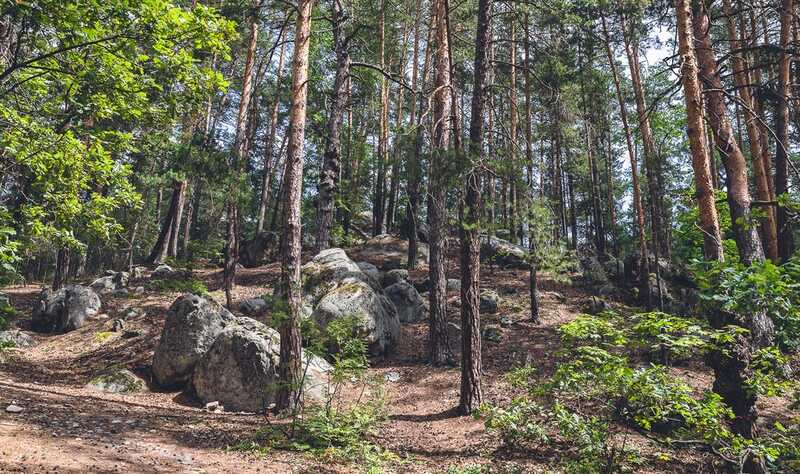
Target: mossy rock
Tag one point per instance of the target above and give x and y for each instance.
(119, 381)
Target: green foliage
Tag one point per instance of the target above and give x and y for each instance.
(656, 400)
(688, 236)
(761, 287)
(337, 429)
(7, 312)
(191, 285)
(593, 330)
(671, 337)
(518, 424)
(91, 82)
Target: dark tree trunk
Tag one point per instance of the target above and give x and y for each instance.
(471, 394)
(329, 177)
(160, 250)
(440, 352)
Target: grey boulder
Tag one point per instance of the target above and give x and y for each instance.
(16, 338)
(489, 301)
(239, 371)
(254, 307)
(65, 310)
(409, 304)
(503, 253)
(335, 288)
(119, 381)
(192, 324)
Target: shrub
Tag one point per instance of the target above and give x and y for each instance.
(601, 330)
(671, 337)
(760, 287)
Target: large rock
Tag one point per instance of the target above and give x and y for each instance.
(191, 326)
(504, 253)
(335, 287)
(394, 276)
(111, 282)
(371, 270)
(262, 249)
(240, 369)
(387, 252)
(489, 301)
(593, 271)
(162, 271)
(66, 309)
(16, 338)
(409, 304)
(118, 381)
(254, 307)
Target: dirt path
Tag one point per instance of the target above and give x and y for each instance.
(66, 427)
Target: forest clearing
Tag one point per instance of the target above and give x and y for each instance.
(383, 236)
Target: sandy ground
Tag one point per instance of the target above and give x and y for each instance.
(66, 427)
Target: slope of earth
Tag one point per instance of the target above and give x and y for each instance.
(66, 427)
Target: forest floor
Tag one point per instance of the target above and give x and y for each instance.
(66, 427)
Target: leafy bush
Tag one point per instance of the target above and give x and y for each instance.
(656, 400)
(671, 337)
(599, 330)
(518, 424)
(7, 312)
(334, 429)
(760, 287)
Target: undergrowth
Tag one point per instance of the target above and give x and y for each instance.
(599, 387)
(336, 429)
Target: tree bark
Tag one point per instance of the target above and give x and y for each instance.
(732, 367)
(471, 394)
(415, 168)
(644, 263)
(239, 163)
(440, 352)
(651, 161)
(329, 177)
(709, 220)
(379, 199)
(270, 160)
(742, 81)
(785, 231)
(289, 368)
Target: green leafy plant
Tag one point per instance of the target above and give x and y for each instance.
(601, 330)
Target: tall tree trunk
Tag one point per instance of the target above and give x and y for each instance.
(709, 220)
(742, 82)
(270, 159)
(394, 187)
(612, 207)
(239, 163)
(379, 199)
(511, 175)
(644, 263)
(172, 248)
(415, 167)
(471, 394)
(532, 225)
(329, 177)
(62, 267)
(160, 250)
(187, 226)
(440, 352)
(732, 367)
(651, 161)
(785, 232)
(289, 368)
